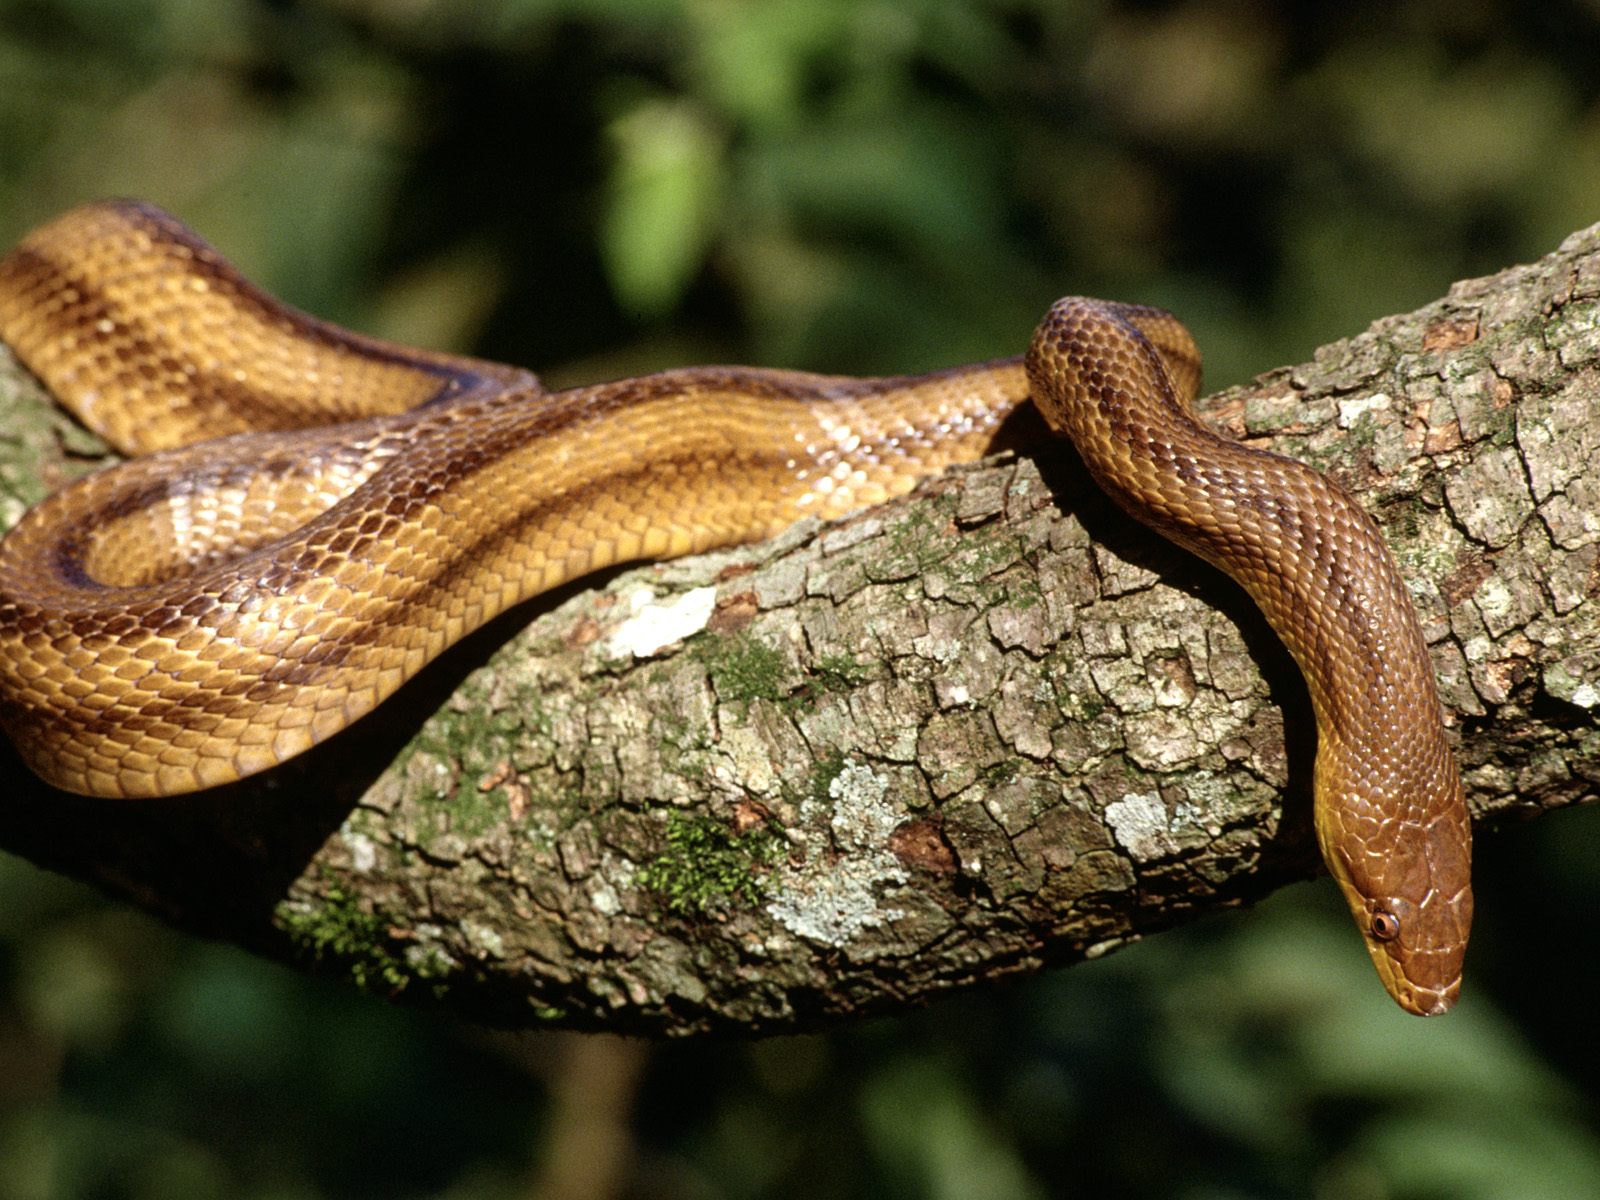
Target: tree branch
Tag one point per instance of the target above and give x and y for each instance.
(955, 737)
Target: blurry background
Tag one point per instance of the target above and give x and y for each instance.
(597, 187)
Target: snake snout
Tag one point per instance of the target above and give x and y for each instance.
(1435, 1004)
(1422, 1000)
(1419, 949)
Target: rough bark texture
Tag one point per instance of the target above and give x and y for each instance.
(991, 726)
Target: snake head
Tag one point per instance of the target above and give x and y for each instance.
(1405, 871)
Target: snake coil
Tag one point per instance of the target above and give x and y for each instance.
(212, 609)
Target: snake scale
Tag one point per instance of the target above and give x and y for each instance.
(214, 607)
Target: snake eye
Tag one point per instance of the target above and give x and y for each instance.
(1385, 926)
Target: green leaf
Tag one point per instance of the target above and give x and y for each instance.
(660, 204)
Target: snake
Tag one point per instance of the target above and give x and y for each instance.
(309, 515)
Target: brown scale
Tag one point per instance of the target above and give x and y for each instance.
(193, 617)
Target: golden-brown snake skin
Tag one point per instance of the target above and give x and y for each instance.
(207, 612)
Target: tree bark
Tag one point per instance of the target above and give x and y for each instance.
(987, 727)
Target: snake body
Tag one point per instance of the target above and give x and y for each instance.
(216, 607)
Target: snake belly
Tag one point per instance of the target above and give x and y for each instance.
(208, 611)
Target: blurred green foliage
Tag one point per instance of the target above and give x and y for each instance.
(595, 187)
